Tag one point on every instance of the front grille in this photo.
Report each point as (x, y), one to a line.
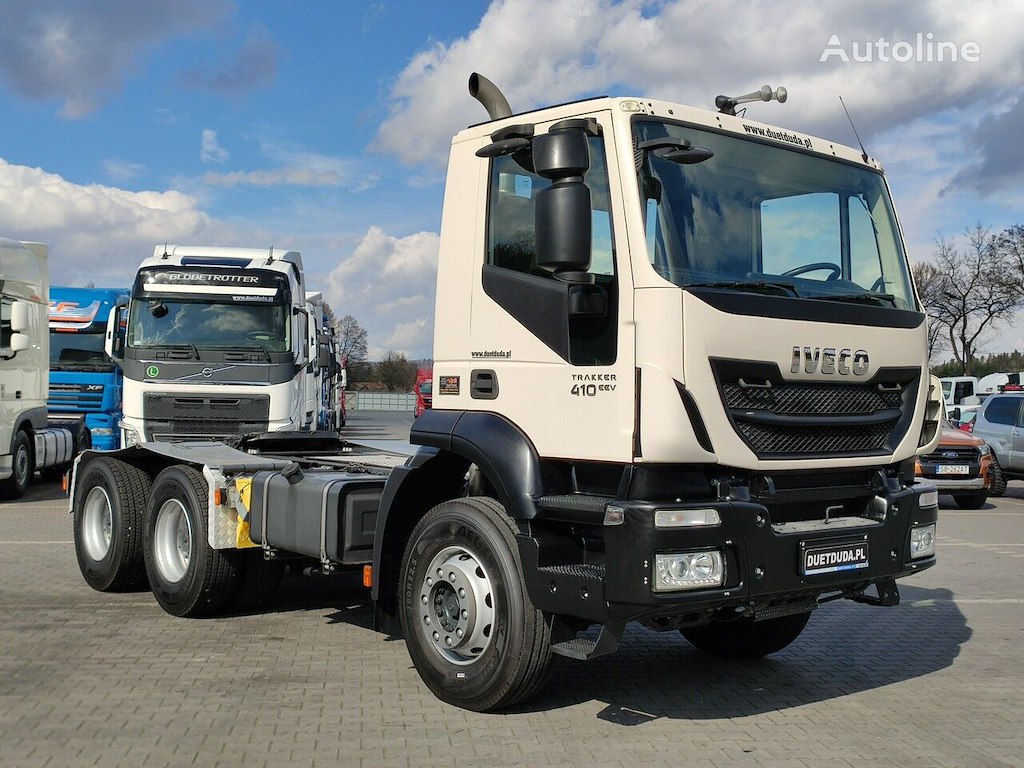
(172, 417)
(777, 418)
(942, 455)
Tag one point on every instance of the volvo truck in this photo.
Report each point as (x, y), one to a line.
(27, 441)
(680, 378)
(218, 342)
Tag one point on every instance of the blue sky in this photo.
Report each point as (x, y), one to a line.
(323, 126)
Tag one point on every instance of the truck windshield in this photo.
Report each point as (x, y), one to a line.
(78, 352)
(208, 324)
(763, 218)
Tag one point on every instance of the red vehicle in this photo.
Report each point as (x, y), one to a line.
(424, 392)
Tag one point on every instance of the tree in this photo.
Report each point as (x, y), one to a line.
(979, 288)
(352, 345)
(929, 281)
(395, 372)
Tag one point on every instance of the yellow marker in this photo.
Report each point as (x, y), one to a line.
(242, 538)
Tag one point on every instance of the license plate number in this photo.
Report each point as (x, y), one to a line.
(952, 469)
(835, 557)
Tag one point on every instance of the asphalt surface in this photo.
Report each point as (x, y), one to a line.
(93, 679)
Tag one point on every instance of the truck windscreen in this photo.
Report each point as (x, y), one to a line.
(761, 217)
(212, 323)
(78, 352)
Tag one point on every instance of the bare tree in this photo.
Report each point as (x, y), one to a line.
(352, 345)
(396, 372)
(980, 289)
(930, 284)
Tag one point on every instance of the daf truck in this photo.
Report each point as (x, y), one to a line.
(680, 378)
(85, 384)
(27, 441)
(218, 342)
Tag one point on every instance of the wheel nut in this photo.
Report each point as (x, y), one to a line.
(462, 593)
(448, 641)
(459, 633)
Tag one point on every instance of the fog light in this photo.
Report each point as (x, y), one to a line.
(686, 518)
(922, 541)
(688, 570)
(929, 498)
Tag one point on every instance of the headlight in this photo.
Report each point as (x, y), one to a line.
(984, 450)
(922, 541)
(101, 431)
(129, 435)
(688, 570)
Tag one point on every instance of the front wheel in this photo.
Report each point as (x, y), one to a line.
(998, 487)
(745, 638)
(110, 497)
(188, 577)
(14, 487)
(474, 636)
(971, 500)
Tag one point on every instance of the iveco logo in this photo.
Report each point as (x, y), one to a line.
(829, 360)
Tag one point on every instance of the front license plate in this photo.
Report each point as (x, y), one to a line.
(952, 469)
(835, 557)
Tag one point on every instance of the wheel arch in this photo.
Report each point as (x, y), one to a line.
(451, 441)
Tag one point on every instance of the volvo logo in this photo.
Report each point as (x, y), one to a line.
(207, 372)
(829, 360)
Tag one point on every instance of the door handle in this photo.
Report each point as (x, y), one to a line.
(483, 384)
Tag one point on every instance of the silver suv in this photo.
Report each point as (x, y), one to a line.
(1000, 422)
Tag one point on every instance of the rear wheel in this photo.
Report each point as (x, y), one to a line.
(971, 500)
(110, 499)
(187, 576)
(472, 632)
(745, 638)
(14, 487)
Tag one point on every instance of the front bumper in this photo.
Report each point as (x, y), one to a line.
(764, 561)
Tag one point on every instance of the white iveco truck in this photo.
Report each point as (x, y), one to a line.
(680, 378)
(217, 342)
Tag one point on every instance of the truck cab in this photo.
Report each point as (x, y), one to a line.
(217, 342)
(85, 383)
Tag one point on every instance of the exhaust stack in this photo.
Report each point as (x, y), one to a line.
(487, 93)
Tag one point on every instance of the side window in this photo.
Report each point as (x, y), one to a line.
(577, 321)
(1002, 410)
(513, 190)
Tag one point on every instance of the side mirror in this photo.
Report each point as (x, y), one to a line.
(19, 342)
(954, 415)
(113, 341)
(302, 320)
(19, 316)
(563, 212)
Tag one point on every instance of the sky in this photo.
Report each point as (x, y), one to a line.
(323, 126)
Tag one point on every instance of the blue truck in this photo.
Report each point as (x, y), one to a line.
(84, 382)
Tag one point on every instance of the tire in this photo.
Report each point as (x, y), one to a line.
(745, 638)
(14, 487)
(110, 498)
(971, 500)
(187, 576)
(258, 579)
(998, 487)
(475, 638)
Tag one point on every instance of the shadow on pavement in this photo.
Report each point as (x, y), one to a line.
(845, 649)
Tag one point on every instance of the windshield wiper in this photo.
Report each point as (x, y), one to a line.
(753, 286)
(867, 297)
(261, 348)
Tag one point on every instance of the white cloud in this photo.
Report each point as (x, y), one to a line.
(122, 170)
(387, 284)
(210, 150)
(97, 232)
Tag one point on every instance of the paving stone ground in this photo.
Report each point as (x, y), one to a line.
(91, 679)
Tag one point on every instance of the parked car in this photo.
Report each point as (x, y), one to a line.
(1000, 422)
(961, 465)
(962, 417)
